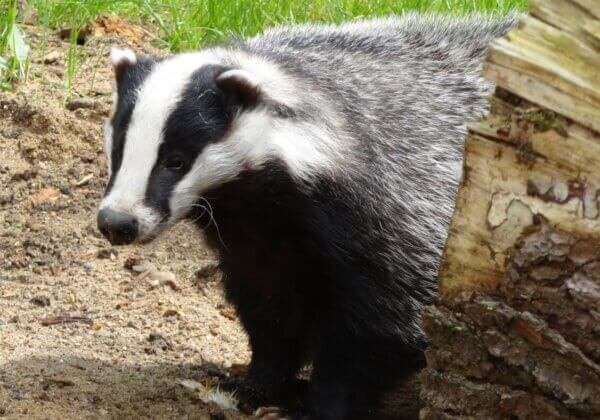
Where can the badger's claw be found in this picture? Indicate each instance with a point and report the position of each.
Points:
(270, 413)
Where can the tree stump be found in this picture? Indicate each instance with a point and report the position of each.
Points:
(515, 332)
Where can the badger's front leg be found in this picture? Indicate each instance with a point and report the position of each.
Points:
(276, 358)
(275, 327)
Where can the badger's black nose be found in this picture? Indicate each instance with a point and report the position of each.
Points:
(119, 228)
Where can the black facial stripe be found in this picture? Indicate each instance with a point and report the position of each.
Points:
(200, 117)
(129, 80)
(160, 185)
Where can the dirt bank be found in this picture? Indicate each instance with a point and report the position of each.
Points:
(118, 342)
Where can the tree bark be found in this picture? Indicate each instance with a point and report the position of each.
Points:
(516, 330)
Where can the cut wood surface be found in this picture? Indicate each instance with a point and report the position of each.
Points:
(516, 330)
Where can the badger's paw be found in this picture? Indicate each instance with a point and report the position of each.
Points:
(252, 398)
(278, 413)
(271, 413)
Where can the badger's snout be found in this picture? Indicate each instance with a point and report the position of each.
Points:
(118, 227)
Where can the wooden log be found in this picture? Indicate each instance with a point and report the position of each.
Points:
(516, 330)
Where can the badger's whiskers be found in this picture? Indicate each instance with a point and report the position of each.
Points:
(206, 210)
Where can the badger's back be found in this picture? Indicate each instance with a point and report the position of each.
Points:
(404, 89)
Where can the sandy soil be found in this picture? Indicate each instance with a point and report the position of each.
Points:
(119, 342)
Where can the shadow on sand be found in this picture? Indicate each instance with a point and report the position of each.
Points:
(72, 387)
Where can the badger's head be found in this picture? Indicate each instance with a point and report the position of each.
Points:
(190, 123)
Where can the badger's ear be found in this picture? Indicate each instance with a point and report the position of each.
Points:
(243, 90)
(240, 87)
(121, 59)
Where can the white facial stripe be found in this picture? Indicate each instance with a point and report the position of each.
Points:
(108, 140)
(256, 137)
(156, 98)
(221, 162)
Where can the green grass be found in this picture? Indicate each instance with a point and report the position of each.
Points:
(190, 24)
(14, 50)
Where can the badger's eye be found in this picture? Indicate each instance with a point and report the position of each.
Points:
(175, 163)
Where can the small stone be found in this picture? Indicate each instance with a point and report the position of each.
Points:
(92, 230)
(57, 381)
(163, 277)
(107, 253)
(43, 397)
(58, 72)
(83, 181)
(123, 304)
(32, 225)
(17, 395)
(87, 265)
(25, 175)
(66, 190)
(40, 300)
(52, 57)
(158, 341)
(81, 103)
(170, 313)
(131, 262)
(11, 133)
(146, 268)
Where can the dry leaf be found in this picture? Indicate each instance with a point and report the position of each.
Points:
(47, 195)
(229, 313)
(108, 24)
(71, 298)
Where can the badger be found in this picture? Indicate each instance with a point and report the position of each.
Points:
(321, 163)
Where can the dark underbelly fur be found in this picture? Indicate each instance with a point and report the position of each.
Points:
(300, 303)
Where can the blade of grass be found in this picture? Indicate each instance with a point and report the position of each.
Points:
(14, 50)
(71, 63)
(18, 47)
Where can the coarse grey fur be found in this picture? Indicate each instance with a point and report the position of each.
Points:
(398, 92)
